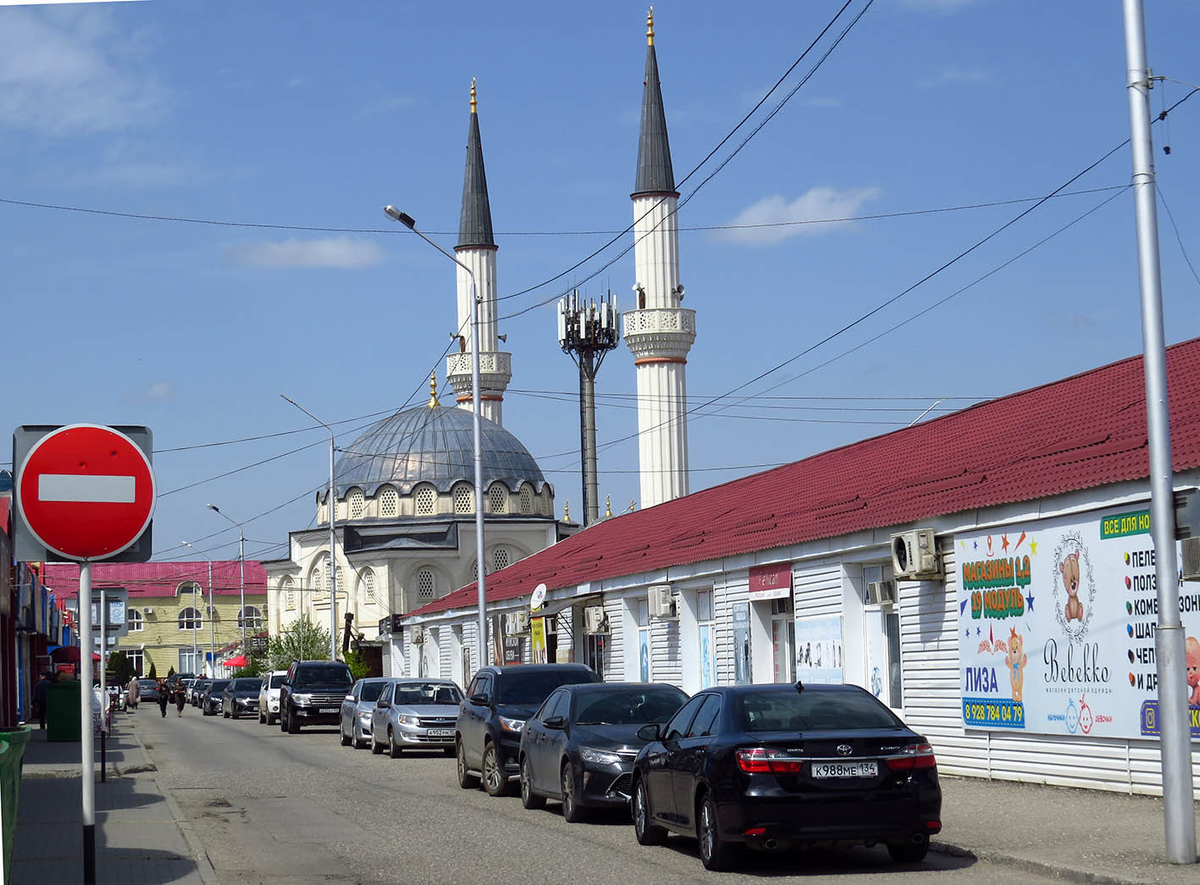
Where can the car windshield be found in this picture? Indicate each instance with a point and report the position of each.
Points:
(246, 684)
(220, 684)
(785, 709)
(277, 680)
(323, 675)
(534, 686)
(415, 694)
(146, 683)
(630, 706)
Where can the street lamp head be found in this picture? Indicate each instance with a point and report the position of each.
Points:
(213, 507)
(403, 217)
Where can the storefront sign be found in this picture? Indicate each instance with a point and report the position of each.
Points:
(771, 581)
(1056, 627)
(819, 657)
(537, 637)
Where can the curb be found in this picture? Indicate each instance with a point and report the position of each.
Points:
(1069, 874)
(204, 866)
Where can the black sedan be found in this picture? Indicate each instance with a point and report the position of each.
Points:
(771, 766)
(210, 701)
(240, 696)
(580, 746)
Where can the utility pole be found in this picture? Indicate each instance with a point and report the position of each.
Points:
(587, 331)
(1179, 812)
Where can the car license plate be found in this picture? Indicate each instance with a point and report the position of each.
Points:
(441, 732)
(328, 710)
(845, 769)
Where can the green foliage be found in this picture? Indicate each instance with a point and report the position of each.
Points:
(121, 667)
(153, 674)
(302, 641)
(254, 667)
(359, 668)
(170, 672)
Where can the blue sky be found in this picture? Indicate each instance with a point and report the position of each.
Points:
(317, 114)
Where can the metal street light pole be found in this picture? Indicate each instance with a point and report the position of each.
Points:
(482, 649)
(241, 569)
(212, 610)
(333, 630)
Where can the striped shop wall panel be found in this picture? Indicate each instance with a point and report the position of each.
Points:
(614, 642)
(665, 662)
(817, 588)
(566, 633)
(444, 643)
(726, 592)
(1145, 768)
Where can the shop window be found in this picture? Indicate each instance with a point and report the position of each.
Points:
(187, 588)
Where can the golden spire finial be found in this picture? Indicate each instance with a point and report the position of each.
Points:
(650, 26)
(566, 511)
(473, 95)
(433, 400)
(632, 505)
(608, 505)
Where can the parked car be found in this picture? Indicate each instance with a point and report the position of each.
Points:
(354, 723)
(771, 766)
(240, 696)
(312, 694)
(198, 688)
(210, 701)
(415, 714)
(487, 734)
(268, 697)
(148, 691)
(580, 746)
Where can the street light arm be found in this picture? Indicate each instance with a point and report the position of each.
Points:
(307, 412)
(407, 220)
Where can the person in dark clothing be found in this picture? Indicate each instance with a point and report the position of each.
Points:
(39, 698)
(180, 696)
(164, 695)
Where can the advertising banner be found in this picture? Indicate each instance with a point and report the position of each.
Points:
(537, 638)
(1056, 627)
(771, 581)
(819, 650)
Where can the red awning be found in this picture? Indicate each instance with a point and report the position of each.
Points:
(68, 654)
(239, 661)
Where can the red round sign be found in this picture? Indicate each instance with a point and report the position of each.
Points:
(86, 492)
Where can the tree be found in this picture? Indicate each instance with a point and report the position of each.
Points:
(121, 667)
(302, 641)
(170, 672)
(153, 674)
(359, 668)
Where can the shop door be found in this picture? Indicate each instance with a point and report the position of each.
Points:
(783, 640)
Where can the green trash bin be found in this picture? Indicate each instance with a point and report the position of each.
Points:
(62, 711)
(12, 750)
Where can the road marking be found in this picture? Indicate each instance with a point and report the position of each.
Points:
(76, 488)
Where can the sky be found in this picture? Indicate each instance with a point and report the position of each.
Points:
(805, 256)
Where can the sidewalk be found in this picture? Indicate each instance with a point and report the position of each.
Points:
(140, 834)
(1077, 835)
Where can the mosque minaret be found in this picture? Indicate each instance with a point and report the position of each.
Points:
(477, 250)
(659, 332)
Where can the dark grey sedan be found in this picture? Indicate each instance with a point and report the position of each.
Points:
(240, 696)
(210, 701)
(357, 708)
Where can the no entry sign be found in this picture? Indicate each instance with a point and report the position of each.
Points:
(85, 492)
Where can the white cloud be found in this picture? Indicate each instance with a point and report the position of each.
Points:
(64, 71)
(775, 219)
(329, 252)
(945, 6)
(159, 391)
(951, 75)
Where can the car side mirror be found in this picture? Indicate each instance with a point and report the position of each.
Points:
(556, 722)
(479, 700)
(349, 697)
(650, 732)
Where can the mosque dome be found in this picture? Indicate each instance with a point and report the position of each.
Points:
(434, 445)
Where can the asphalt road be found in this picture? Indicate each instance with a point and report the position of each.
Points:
(271, 807)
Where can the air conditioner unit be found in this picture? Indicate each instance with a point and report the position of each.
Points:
(881, 592)
(914, 555)
(521, 621)
(661, 602)
(595, 620)
(148, 610)
(1191, 559)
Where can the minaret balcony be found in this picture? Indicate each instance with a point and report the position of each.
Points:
(660, 331)
(495, 370)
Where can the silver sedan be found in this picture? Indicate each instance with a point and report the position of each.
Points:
(415, 714)
(357, 708)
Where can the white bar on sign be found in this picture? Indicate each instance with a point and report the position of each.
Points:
(80, 489)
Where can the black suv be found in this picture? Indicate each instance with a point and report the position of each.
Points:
(487, 739)
(312, 694)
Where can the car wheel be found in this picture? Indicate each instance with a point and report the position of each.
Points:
(342, 735)
(646, 832)
(715, 853)
(226, 713)
(293, 727)
(908, 852)
(262, 719)
(466, 780)
(494, 780)
(282, 725)
(376, 747)
(394, 750)
(571, 811)
(529, 798)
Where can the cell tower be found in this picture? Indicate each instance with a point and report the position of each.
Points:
(587, 331)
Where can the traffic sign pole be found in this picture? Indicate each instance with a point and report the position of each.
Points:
(85, 721)
(103, 685)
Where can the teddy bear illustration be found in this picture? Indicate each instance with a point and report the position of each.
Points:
(1016, 660)
(1192, 655)
(1070, 576)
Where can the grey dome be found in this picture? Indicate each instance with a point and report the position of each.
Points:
(433, 445)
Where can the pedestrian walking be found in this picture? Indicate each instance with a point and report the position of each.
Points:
(164, 695)
(39, 698)
(180, 696)
(134, 692)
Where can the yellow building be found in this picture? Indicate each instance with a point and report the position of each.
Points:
(173, 622)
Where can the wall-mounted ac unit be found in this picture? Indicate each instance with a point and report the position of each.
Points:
(661, 601)
(595, 620)
(914, 555)
(148, 610)
(881, 592)
(1191, 559)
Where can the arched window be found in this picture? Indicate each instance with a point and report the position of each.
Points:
(136, 622)
(190, 619)
(366, 585)
(497, 498)
(187, 588)
(426, 587)
(500, 558)
(356, 503)
(389, 502)
(464, 498)
(252, 617)
(426, 499)
(527, 499)
(317, 582)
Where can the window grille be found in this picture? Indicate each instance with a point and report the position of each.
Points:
(426, 498)
(464, 499)
(289, 594)
(497, 498)
(357, 503)
(368, 586)
(389, 502)
(526, 499)
(425, 585)
(499, 558)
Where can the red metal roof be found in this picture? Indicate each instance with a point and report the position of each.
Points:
(1084, 431)
(156, 578)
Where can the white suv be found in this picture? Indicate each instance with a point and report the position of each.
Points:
(268, 697)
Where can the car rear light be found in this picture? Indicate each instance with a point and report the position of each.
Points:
(764, 760)
(755, 831)
(912, 756)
